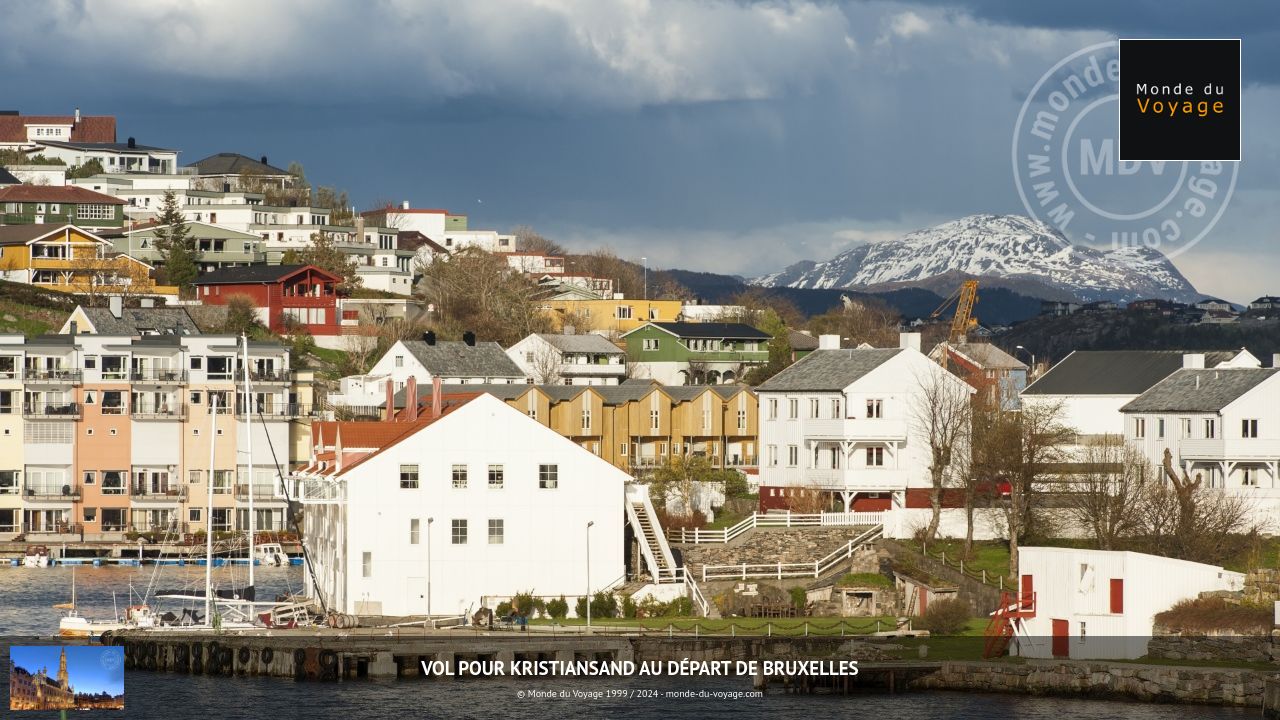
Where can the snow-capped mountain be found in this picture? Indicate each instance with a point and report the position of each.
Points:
(1013, 248)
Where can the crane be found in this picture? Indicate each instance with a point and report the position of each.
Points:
(964, 298)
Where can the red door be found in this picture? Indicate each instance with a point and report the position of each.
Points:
(924, 599)
(1060, 642)
(1117, 596)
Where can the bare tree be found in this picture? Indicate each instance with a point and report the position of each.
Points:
(941, 413)
(545, 364)
(529, 240)
(860, 321)
(1185, 519)
(1108, 489)
(1038, 451)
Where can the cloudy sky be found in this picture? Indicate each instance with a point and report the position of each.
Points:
(726, 136)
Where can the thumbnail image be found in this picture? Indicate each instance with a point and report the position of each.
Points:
(86, 678)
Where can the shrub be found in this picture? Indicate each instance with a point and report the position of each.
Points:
(681, 606)
(944, 617)
(604, 605)
(503, 610)
(528, 605)
(580, 607)
(1214, 613)
(799, 598)
(864, 580)
(558, 608)
(628, 607)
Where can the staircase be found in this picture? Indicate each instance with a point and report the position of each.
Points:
(1001, 629)
(653, 542)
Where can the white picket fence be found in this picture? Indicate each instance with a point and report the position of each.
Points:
(775, 519)
(780, 570)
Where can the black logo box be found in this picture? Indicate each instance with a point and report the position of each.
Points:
(1185, 67)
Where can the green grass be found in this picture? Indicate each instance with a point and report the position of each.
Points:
(989, 555)
(865, 579)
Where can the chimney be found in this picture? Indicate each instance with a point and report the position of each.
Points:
(411, 399)
(359, 228)
(1193, 360)
(75, 328)
(132, 143)
(437, 404)
(828, 342)
(568, 330)
(1275, 360)
(116, 303)
(429, 337)
(147, 302)
(77, 116)
(469, 338)
(390, 412)
(909, 341)
(264, 160)
(404, 205)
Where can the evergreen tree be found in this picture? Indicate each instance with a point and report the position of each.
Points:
(177, 253)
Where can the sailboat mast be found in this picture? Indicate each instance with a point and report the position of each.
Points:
(248, 443)
(208, 511)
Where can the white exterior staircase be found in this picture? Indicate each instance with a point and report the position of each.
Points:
(653, 542)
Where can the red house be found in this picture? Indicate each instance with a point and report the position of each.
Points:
(285, 295)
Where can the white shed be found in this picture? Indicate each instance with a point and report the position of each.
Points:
(1098, 604)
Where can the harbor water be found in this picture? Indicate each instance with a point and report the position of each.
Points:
(28, 594)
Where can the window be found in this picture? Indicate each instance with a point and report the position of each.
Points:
(662, 448)
(623, 312)
(793, 455)
(222, 482)
(773, 456)
(706, 419)
(91, 362)
(793, 408)
(458, 532)
(90, 514)
(90, 477)
(113, 482)
(1248, 428)
(459, 477)
(194, 476)
(113, 402)
(496, 531)
(586, 418)
(194, 515)
(875, 457)
(1210, 429)
(413, 531)
(813, 407)
(875, 408)
(93, 211)
(495, 477)
(1248, 477)
(408, 477)
(651, 343)
(549, 475)
(195, 397)
(835, 408)
(1185, 427)
(197, 363)
(1159, 428)
(366, 564)
(653, 419)
(9, 482)
(399, 361)
(623, 451)
(1139, 428)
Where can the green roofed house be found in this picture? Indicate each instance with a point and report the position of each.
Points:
(680, 353)
(216, 246)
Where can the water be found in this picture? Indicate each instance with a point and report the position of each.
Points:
(26, 597)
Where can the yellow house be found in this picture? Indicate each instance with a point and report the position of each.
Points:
(639, 425)
(614, 317)
(70, 259)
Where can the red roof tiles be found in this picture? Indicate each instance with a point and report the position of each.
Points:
(56, 194)
(91, 128)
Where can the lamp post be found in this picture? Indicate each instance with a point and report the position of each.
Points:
(429, 521)
(1033, 359)
(589, 524)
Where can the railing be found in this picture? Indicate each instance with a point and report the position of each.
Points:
(176, 411)
(58, 411)
(787, 520)
(161, 376)
(277, 410)
(56, 529)
(781, 570)
(172, 526)
(142, 492)
(982, 576)
(57, 491)
(57, 375)
(271, 376)
(263, 492)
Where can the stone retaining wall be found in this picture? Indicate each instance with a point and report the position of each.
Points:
(1215, 646)
(1147, 683)
(774, 545)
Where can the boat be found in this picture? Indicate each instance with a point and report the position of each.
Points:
(271, 554)
(74, 625)
(37, 556)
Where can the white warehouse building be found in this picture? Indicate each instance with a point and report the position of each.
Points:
(437, 516)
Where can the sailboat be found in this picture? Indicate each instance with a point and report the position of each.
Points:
(75, 625)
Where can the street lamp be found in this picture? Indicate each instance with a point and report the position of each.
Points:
(1033, 359)
(589, 524)
(429, 521)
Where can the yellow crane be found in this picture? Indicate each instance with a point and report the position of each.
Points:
(964, 298)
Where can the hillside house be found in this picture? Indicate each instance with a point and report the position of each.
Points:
(682, 353)
(70, 259)
(570, 359)
(287, 297)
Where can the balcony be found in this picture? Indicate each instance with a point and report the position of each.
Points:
(146, 526)
(162, 376)
(260, 492)
(271, 376)
(67, 528)
(51, 411)
(278, 411)
(740, 461)
(64, 492)
(860, 479)
(143, 492)
(1215, 449)
(855, 429)
(55, 376)
(173, 411)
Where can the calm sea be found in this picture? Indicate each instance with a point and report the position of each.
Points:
(26, 597)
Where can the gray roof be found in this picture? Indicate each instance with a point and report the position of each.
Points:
(588, 343)
(989, 356)
(1111, 372)
(1199, 390)
(611, 394)
(137, 321)
(234, 164)
(458, 359)
(828, 369)
(113, 147)
(801, 341)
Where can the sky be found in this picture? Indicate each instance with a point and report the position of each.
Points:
(719, 135)
(90, 669)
